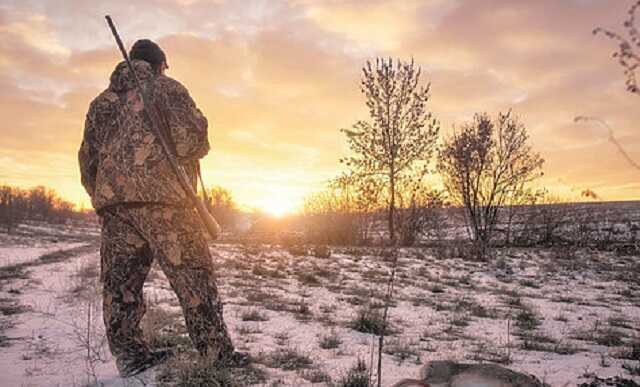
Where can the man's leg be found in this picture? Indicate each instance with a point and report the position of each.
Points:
(177, 241)
(126, 261)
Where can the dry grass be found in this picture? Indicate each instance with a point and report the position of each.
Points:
(189, 370)
(287, 359)
(329, 341)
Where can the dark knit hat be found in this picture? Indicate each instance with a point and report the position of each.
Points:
(148, 51)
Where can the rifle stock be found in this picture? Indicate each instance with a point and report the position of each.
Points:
(209, 222)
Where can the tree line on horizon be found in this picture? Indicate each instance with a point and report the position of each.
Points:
(37, 203)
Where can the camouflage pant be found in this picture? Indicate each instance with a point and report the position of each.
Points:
(131, 238)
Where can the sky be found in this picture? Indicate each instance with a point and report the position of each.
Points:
(278, 80)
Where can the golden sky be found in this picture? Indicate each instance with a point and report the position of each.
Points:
(278, 79)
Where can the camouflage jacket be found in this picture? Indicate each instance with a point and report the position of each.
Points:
(121, 161)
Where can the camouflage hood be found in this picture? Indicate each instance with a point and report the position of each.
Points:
(122, 80)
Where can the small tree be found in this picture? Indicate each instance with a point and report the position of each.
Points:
(628, 53)
(481, 165)
(400, 138)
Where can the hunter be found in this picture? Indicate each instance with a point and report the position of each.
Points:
(145, 213)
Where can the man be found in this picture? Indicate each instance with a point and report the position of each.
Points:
(145, 212)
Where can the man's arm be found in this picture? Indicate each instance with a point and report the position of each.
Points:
(87, 155)
(187, 123)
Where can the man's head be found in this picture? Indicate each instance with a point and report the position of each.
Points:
(148, 51)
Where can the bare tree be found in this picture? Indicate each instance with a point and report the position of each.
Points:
(401, 135)
(223, 207)
(418, 215)
(13, 206)
(518, 202)
(344, 212)
(41, 201)
(552, 214)
(37, 203)
(482, 165)
(328, 217)
(361, 197)
(628, 53)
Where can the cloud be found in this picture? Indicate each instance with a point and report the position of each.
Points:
(378, 25)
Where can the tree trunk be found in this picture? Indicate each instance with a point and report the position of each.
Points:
(392, 209)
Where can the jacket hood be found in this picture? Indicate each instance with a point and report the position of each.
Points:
(122, 80)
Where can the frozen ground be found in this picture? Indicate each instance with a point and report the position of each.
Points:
(560, 314)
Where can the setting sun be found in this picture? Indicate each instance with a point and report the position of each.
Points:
(280, 203)
(278, 209)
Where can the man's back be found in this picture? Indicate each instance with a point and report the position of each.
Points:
(121, 160)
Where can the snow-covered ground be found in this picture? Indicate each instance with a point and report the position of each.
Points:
(20, 254)
(558, 314)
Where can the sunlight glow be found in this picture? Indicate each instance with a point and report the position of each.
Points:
(280, 202)
(278, 208)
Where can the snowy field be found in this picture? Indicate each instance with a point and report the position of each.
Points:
(562, 314)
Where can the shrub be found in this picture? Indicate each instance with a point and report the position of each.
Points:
(288, 359)
(401, 350)
(308, 279)
(357, 376)
(369, 320)
(329, 341)
(321, 251)
(315, 376)
(185, 371)
(254, 315)
(527, 319)
(609, 336)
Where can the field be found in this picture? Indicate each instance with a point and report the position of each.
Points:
(306, 314)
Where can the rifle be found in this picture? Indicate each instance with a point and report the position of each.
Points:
(159, 124)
